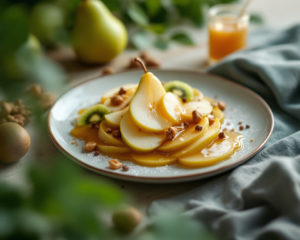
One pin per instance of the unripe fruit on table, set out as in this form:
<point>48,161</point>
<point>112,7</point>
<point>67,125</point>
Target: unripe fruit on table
<point>126,219</point>
<point>14,142</point>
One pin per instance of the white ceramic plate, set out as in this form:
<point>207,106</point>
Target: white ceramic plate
<point>242,105</point>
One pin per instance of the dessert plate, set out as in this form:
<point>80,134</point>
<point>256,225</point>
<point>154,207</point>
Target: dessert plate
<point>243,106</point>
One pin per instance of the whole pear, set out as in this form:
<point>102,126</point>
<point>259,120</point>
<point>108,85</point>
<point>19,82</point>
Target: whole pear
<point>98,36</point>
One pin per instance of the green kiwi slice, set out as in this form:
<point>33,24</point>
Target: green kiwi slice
<point>181,89</point>
<point>93,114</point>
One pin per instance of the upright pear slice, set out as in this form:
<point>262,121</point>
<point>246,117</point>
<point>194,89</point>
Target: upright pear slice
<point>170,107</point>
<point>187,137</point>
<point>211,134</point>
<point>143,106</point>
<point>135,138</point>
<point>218,151</point>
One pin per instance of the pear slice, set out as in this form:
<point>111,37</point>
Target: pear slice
<point>217,113</point>
<point>143,106</point>
<point>114,119</point>
<point>106,137</point>
<point>170,107</point>
<point>211,134</point>
<point>203,107</point>
<point>187,137</point>
<point>215,153</point>
<point>152,159</point>
<point>106,149</point>
<point>135,138</point>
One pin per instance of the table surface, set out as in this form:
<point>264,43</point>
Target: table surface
<point>277,14</point>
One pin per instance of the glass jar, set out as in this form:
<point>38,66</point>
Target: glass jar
<point>227,31</point>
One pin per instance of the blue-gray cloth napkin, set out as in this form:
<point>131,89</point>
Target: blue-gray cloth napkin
<point>260,199</point>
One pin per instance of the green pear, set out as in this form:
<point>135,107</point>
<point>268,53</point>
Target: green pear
<point>98,36</point>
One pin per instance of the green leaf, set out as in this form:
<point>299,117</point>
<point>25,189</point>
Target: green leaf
<point>157,28</point>
<point>141,40</point>
<point>161,43</point>
<point>137,14</point>
<point>153,6</point>
<point>256,18</point>
<point>182,38</point>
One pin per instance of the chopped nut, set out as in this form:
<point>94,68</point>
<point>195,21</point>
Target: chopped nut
<point>171,133</point>
<point>122,91</point>
<point>221,135</point>
<point>149,60</point>
<point>211,121</point>
<point>241,128</point>
<point>107,71</point>
<point>198,128</point>
<point>133,63</point>
<point>186,124</point>
<point>90,146</point>
<point>116,100</point>
<point>7,107</point>
<point>108,130</point>
<point>240,123</point>
<point>251,140</point>
<point>214,104</point>
<point>114,164</point>
<point>125,168</point>
<point>116,133</point>
<point>222,105</point>
<point>96,153</point>
<point>95,125</point>
<point>247,126</point>
<point>183,99</point>
<point>196,116</point>
<point>36,90</point>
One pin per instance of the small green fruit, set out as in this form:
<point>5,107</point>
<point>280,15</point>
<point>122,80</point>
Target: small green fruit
<point>126,219</point>
<point>98,36</point>
<point>14,142</point>
<point>46,22</point>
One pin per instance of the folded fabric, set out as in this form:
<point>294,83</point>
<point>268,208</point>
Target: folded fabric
<point>260,199</point>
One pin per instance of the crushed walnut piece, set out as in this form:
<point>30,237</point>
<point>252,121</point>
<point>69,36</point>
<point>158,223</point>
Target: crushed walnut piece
<point>241,128</point>
<point>149,60</point>
<point>222,105</point>
<point>211,121</point>
<point>107,71</point>
<point>125,168</point>
<point>247,126</point>
<point>89,147</point>
<point>14,112</point>
<point>198,128</point>
<point>116,100</point>
<point>171,133</point>
<point>197,117</point>
<point>122,91</point>
<point>116,133</point>
<point>221,135</point>
<point>114,164</point>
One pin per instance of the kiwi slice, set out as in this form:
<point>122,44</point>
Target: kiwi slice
<point>181,89</point>
<point>93,114</point>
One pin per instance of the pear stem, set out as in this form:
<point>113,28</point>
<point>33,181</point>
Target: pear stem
<point>140,61</point>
